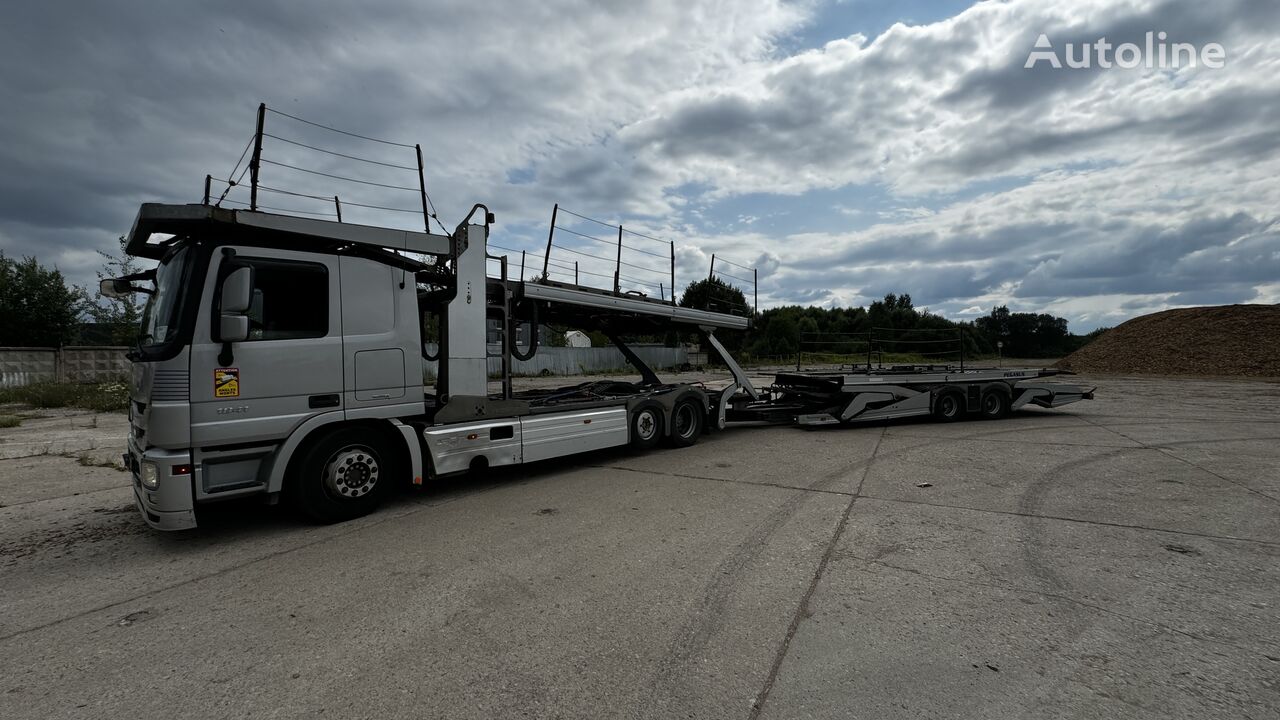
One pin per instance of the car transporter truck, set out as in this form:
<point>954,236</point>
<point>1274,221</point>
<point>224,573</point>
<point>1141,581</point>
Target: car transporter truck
<point>284,357</point>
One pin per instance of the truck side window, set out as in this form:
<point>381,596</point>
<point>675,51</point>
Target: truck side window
<point>290,300</point>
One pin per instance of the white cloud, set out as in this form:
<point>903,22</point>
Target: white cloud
<point>1124,183</point>
<point>1267,294</point>
<point>1117,191</point>
<point>162,95</point>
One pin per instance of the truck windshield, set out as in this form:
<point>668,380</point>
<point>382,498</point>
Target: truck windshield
<point>160,316</point>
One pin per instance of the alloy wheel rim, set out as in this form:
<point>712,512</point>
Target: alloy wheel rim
<point>351,473</point>
<point>646,425</point>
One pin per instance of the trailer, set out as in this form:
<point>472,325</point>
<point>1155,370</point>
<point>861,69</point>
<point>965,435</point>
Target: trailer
<point>284,358</point>
<point>944,393</point>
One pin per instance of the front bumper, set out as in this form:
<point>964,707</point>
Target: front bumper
<point>171,506</point>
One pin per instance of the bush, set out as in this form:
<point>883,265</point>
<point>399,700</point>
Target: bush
<point>99,397</point>
<point>10,421</point>
<point>105,397</point>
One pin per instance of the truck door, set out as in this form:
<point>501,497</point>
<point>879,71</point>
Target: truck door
<point>382,355</point>
<point>288,369</point>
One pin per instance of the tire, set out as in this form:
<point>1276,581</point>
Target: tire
<point>646,426</point>
<point>995,405</point>
<point>344,473</point>
<point>949,406</point>
<point>687,420</point>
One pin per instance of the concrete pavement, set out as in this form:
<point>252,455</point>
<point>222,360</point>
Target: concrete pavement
<point>1114,558</point>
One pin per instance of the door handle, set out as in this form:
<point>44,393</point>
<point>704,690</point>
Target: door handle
<point>324,401</point>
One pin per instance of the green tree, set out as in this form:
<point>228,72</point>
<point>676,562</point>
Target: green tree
<point>716,295</point>
<point>37,306</point>
<point>1027,335</point>
<point>554,336</point>
<point>120,317</point>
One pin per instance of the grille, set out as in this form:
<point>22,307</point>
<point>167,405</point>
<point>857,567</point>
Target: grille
<point>171,386</point>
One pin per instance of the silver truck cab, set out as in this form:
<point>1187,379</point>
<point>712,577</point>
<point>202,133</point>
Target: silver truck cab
<point>247,345</point>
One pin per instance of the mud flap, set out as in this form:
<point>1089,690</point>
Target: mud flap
<point>722,405</point>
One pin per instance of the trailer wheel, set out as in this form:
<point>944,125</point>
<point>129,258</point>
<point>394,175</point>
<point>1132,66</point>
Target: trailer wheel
<point>995,405</point>
<point>345,473</point>
<point>949,406</point>
<point>646,426</point>
<point>687,420</point>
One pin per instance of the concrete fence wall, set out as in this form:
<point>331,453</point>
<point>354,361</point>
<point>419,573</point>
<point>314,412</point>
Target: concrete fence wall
<point>96,363</point>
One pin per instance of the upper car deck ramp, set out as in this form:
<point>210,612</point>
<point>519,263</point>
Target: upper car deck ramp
<point>168,219</point>
<point>592,299</point>
<point>159,218</point>
<point>908,375</point>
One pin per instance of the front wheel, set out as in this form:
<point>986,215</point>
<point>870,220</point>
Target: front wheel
<point>646,426</point>
<point>344,473</point>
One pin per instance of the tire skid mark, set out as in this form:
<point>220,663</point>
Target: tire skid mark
<point>802,609</point>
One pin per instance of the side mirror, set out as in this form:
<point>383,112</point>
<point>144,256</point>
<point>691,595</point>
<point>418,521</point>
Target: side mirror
<point>233,328</point>
<point>114,288</point>
<point>237,291</point>
<point>233,325</point>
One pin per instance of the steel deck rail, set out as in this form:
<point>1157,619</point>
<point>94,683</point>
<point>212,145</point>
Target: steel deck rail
<point>638,306</point>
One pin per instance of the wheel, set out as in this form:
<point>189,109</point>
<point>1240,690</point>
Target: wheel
<point>995,405</point>
<point>949,406</point>
<point>344,473</point>
<point>646,426</point>
<point>687,421</point>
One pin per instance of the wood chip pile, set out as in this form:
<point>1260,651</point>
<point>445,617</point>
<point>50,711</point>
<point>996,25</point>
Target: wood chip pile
<point>1239,340</point>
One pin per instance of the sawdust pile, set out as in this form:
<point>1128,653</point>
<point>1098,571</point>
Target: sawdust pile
<point>1242,340</point>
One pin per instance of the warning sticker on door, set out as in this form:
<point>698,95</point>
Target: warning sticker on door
<point>226,382</point>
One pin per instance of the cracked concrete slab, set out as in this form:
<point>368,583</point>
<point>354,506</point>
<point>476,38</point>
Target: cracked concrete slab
<point>585,592</point>
<point>770,455</point>
<point>1116,558</point>
<point>940,612</point>
<point>44,477</point>
<point>62,431</point>
<point>1119,485</point>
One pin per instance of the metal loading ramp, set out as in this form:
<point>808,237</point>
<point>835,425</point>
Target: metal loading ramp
<point>633,305</point>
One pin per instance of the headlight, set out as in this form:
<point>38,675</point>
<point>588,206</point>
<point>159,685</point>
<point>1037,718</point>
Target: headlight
<point>150,476</point>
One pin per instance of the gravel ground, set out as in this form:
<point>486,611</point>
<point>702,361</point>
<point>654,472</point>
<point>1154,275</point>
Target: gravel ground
<point>1117,558</point>
<point>1231,340</point>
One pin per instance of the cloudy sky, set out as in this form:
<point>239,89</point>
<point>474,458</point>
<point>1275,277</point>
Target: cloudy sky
<point>846,148</point>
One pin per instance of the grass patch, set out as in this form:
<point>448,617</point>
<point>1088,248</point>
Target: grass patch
<point>99,397</point>
<point>10,421</point>
<point>91,461</point>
